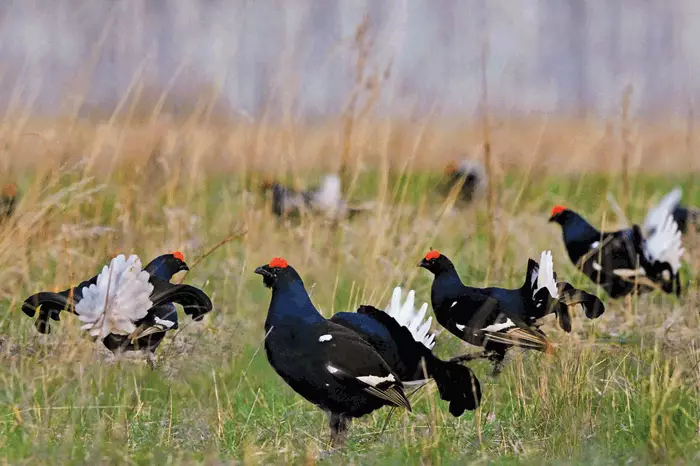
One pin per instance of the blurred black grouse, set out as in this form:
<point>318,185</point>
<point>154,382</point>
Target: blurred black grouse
<point>497,318</point>
<point>624,261</point>
<point>8,201</point>
<point>469,177</point>
<point>325,200</point>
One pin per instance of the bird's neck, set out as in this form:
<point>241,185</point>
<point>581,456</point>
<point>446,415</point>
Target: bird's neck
<point>446,286</point>
<point>291,305</point>
<point>160,268</point>
<point>578,236</point>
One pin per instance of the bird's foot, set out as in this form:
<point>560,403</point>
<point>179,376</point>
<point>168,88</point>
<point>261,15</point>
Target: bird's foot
<point>151,360</point>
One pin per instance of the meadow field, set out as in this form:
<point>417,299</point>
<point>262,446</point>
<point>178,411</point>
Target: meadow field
<point>623,389</point>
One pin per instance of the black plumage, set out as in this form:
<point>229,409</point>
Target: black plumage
<point>328,364</point>
<point>411,356</point>
<point>498,318</point>
<point>325,200</point>
<point>159,318</point>
<point>469,178</point>
<point>623,261</point>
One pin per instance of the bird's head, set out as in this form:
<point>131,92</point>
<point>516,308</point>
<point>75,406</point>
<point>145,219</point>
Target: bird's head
<point>278,271</point>
<point>451,169</point>
<point>435,262</point>
<point>560,214</point>
<point>167,265</point>
<point>9,190</point>
<point>267,184</point>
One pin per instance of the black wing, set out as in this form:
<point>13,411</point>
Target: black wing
<point>356,362</point>
<point>194,301</point>
<point>51,304</point>
<point>570,296</point>
<point>489,321</point>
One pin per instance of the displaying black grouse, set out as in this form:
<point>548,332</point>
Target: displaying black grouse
<point>404,341</point>
<point>499,318</point>
<point>623,261</point>
<point>671,203</point>
<point>326,200</point>
<point>129,309</point>
<point>328,364</point>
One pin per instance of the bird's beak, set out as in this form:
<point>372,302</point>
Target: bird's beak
<point>184,267</point>
<point>553,218</point>
<point>422,263</point>
<point>262,270</point>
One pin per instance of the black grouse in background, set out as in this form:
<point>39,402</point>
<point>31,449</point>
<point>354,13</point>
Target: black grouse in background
<point>684,217</point>
<point>327,363</point>
<point>129,309</point>
<point>624,261</point>
<point>469,177</point>
<point>8,201</point>
<point>498,318</point>
<point>325,200</point>
<point>404,341</point>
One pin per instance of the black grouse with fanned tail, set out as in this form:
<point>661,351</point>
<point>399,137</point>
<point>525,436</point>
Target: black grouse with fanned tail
<point>498,318</point>
<point>624,261</point>
<point>328,364</point>
<point>127,308</point>
<point>326,199</point>
<point>403,339</point>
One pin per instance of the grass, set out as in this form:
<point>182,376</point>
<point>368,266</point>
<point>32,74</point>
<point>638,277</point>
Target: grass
<point>622,389</point>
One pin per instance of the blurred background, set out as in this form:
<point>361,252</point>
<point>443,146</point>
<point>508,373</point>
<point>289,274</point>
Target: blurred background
<point>300,58</point>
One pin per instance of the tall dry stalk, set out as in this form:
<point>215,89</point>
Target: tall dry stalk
<point>486,134</point>
<point>362,45</point>
<point>626,147</point>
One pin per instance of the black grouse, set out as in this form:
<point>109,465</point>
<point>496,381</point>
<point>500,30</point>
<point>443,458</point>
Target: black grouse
<point>327,363</point>
<point>469,177</point>
<point>623,261</point>
<point>671,203</point>
<point>325,199</point>
<point>498,318</point>
<point>129,309</point>
<point>404,341</point>
<point>8,201</point>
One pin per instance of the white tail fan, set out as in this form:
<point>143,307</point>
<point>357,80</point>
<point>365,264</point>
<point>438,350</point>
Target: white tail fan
<point>657,214</point>
<point>406,315</point>
<point>120,297</point>
<point>545,275</point>
<point>664,245</point>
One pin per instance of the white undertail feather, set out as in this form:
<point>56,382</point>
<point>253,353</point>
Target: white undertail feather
<point>120,297</point>
<point>328,197</point>
<point>545,276</point>
<point>657,214</point>
<point>664,245</point>
<point>407,316</point>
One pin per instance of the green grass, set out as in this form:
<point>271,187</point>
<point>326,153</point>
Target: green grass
<point>617,391</point>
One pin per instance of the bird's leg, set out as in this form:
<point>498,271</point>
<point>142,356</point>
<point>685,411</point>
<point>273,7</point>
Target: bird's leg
<point>151,359</point>
<point>339,425</point>
<point>470,357</point>
<point>498,359</point>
